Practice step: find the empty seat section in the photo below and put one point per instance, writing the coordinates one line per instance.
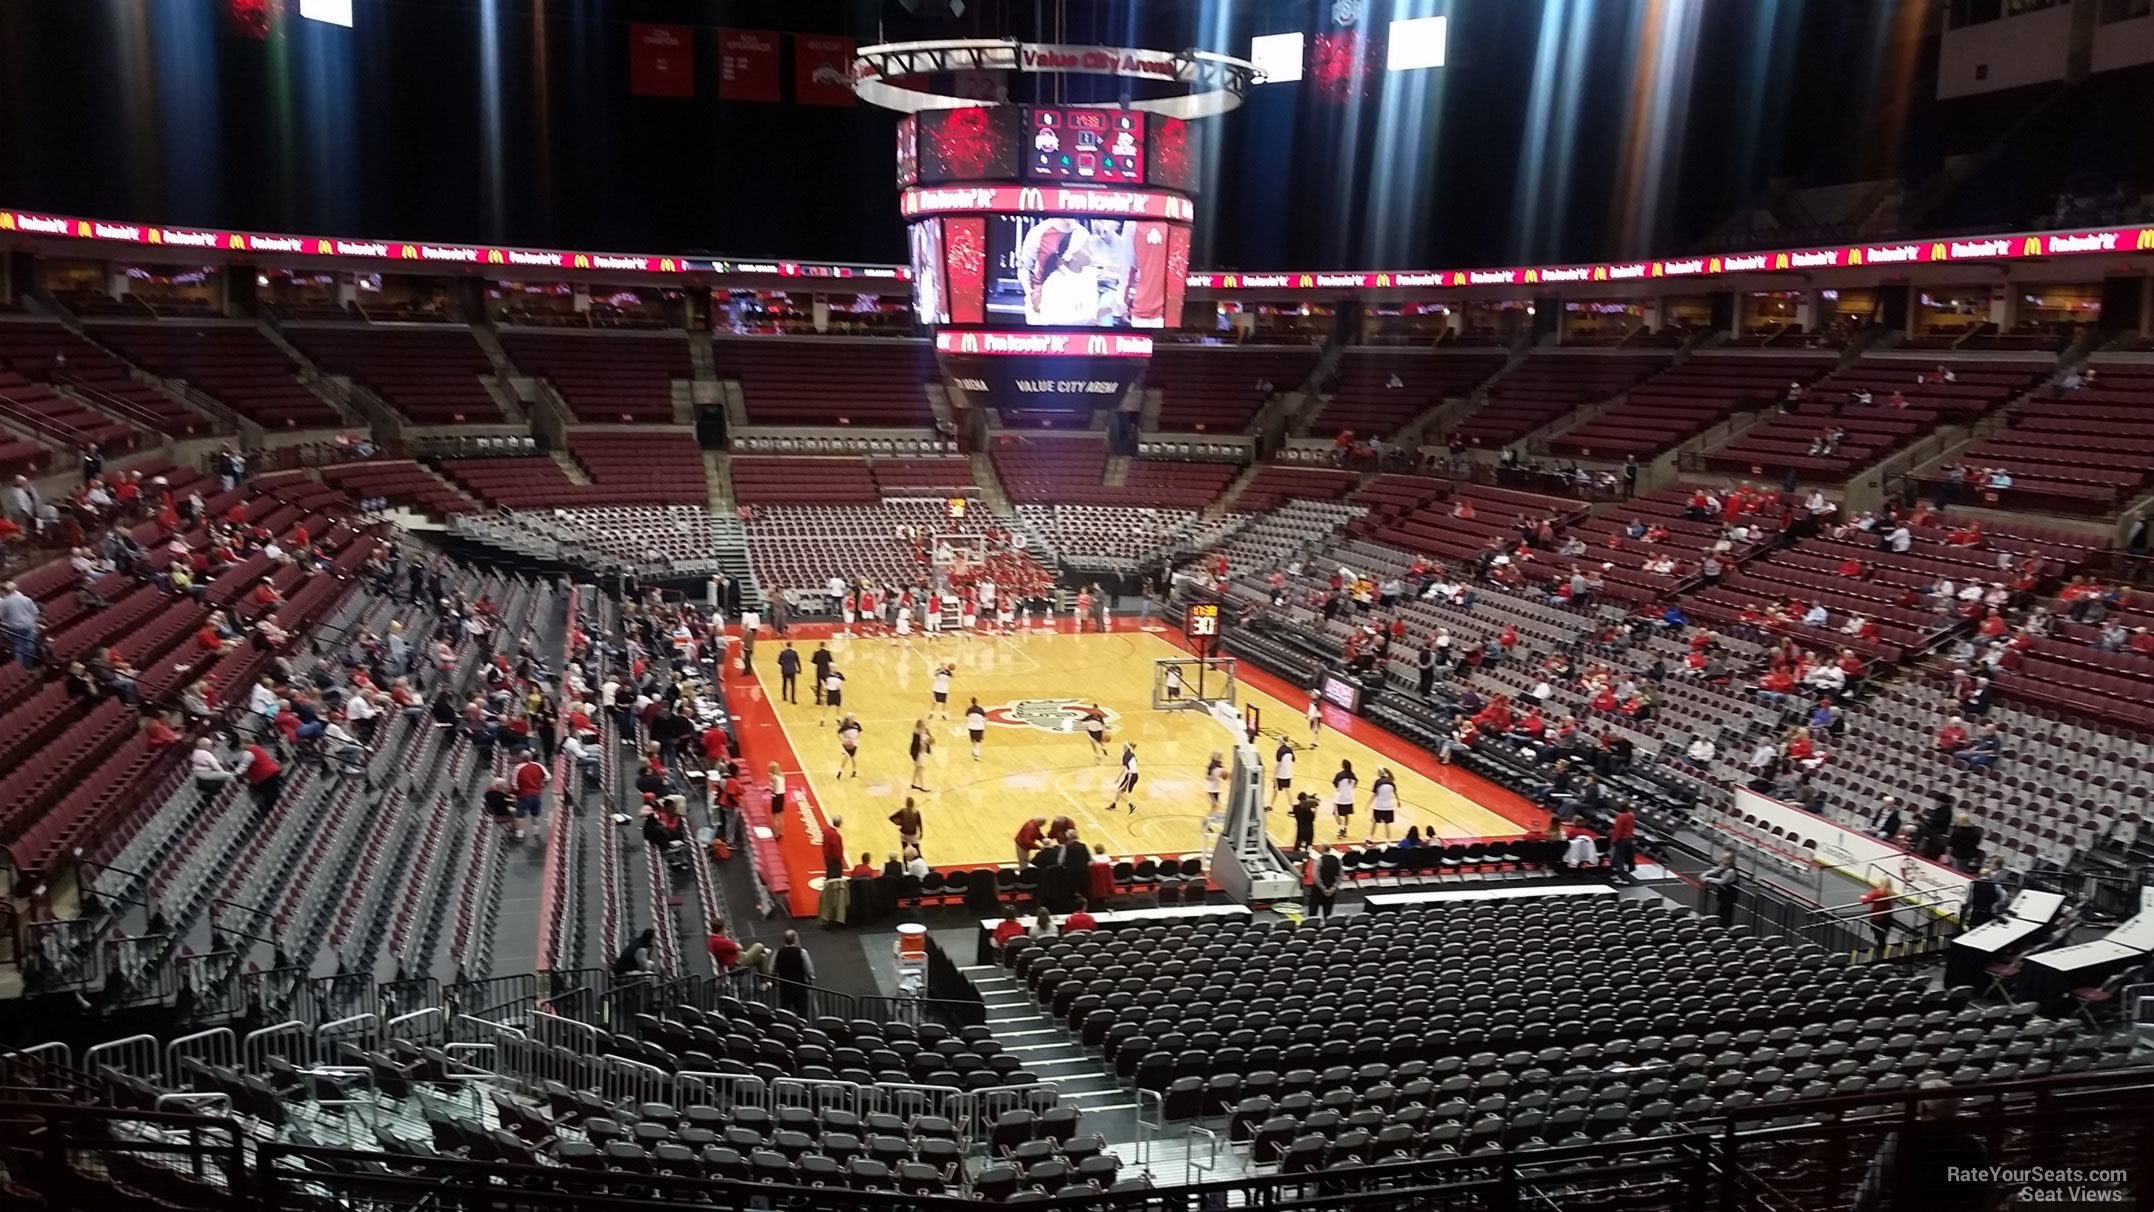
(399, 482)
(42, 351)
(1548, 385)
(1379, 390)
(1277, 484)
(1874, 430)
(667, 466)
(1683, 401)
(620, 377)
(1220, 390)
(431, 375)
(829, 381)
(233, 363)
(774, 480)
(2070, 450)
(924, 477)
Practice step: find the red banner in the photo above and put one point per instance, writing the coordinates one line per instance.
(661, 61)
(822, 70)
(747, 65)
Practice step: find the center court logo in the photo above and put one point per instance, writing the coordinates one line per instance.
(1048, 715)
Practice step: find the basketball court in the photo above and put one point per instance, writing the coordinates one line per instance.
(1036, 760)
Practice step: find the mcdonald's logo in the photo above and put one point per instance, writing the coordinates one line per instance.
(410, 252)
(582, 261)
(7, 220)
(321, 248)
(1937, 252)
(2031, 247)
(1532, 276)
(1096, 345)
(1780, 260)
(2145, 241)
(969, 344)
(1854, 256)
(1712, 265)
(909, 203)
(667, 265)
(157, 235)
(82, 228)
(494, 257)
(235, 241)
(1306, 281)
(1658, 272)
(1031, 197)
(1383, 279)
(1230, 281)
(1600, 273)
(1458, 277)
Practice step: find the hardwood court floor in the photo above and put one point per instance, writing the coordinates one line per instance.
(1036, 760)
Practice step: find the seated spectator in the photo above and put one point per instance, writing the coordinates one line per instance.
(1952, 737)
(1699, 754)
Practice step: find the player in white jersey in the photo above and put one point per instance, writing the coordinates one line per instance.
(904, 623)
(1282, 772)
(976, 726)
(1126, 787)
(942, 689)
(1316, 719)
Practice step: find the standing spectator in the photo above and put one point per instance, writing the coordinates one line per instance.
(1029, 838)
(19, 624)
(1321, 876)
(792, 964)
(788, 673)
(1984, 894)
(1304, 814)
(1877, 904)
(1623, 845)
(1723, 879)
(529, 781)
(834, 849)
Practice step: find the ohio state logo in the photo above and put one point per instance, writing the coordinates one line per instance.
(1048, 715)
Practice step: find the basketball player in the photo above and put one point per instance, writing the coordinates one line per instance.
(849, 742)
(833, 694)
(1316, 719)
(850, 604)
(1342, 795)
(1095, 727)
(976, 725)
(942, 689)
(1126, 788)
(1282, 772)
(934, 613)
(1383, 804)
(969, 612)
(1082, 610)
(1174, 684)
(923, 743)
(1005, 615)
(904, 620)
(987, 598)
(1215, 778)
(870, 608)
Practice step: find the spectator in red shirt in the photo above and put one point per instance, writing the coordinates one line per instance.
(161, 734)
(724, 949)
(529, 781)
(1008, 928)
(265, 778)
(1029, 836)
(1623, 845)
(834, 849)
(1953, 736)
(1078, 919)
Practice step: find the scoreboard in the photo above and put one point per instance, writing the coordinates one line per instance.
(1097, 145)
(1201, 624)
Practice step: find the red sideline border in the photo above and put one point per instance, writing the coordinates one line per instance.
(793, 860)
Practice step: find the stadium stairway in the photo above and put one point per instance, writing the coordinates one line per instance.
(1081, 1079)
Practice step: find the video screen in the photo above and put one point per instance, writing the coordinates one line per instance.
(1170, 161)
(908, 151)
(1050, 271)
(930, 292)
(976, 143)
(1099, 145)
(964, 258)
